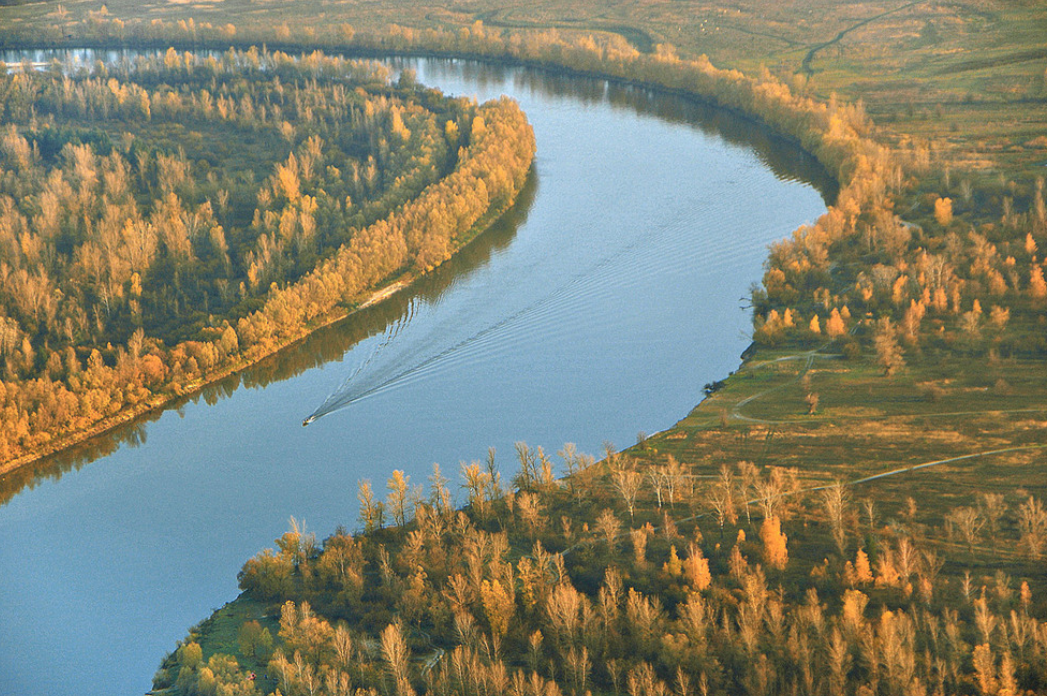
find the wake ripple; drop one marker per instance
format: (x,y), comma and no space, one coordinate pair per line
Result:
(477,333)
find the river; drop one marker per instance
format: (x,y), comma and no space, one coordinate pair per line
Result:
(597,308)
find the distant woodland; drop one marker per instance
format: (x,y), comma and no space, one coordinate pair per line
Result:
(163,221)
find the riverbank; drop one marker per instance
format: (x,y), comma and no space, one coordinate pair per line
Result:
(158,402)
(389,287)
(919,407)
(46,412)
(823,415)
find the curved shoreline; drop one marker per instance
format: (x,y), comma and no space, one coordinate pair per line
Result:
(383,291)
(127,415)
(630,76)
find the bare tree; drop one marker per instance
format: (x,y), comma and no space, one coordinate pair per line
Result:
(674,477)
(608,526)
(396,655)
(1032,523)
(628,482)
(657,476)
(722,504)
(968,523)
(747,477)
(835,500)
(993,506)
(869,505)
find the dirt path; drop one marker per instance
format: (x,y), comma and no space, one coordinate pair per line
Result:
(736,412)
(937,462)
(805,64)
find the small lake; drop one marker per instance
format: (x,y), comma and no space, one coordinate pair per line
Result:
(597,308)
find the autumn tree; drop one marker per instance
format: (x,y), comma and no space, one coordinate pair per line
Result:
(888,352)
(627,482)
(834,499)
(775,552)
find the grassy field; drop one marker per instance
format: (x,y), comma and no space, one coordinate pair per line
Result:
(953,412)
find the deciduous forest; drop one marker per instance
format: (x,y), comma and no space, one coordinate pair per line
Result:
(642,575)
(152,238)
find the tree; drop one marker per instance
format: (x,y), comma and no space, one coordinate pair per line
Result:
(968,522)
(608,526)
(943,211)
(888,352)
(775,552)
(1032,525)
(658,478)
(834,498)
(674,477)
(396,655)
(499,603)
(628,482)
(397,499)
(1037,285)
(993,506)
(696,569)
(476,483)
(835,326)
(370,509)
(267,574)
(862,570)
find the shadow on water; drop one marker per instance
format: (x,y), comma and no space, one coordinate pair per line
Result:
(784,158)
(325,345)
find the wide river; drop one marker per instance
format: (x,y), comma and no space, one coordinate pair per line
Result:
(596,309)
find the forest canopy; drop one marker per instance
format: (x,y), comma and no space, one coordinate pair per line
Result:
(169,217)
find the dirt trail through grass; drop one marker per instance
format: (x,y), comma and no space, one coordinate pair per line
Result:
(640,39)
(736,412)
(805,65)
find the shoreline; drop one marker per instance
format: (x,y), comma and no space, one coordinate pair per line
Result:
(752,113)
(129,414)
(386,289)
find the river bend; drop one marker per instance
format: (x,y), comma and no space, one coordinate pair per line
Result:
(597,308)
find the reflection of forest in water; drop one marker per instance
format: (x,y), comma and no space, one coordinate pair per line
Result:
(785,159)
(782,156)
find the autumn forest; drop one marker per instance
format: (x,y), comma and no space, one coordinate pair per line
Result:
(151,239)
(858,509)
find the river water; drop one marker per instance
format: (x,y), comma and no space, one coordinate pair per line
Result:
(597,308)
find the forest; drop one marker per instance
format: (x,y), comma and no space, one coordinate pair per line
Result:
(164,220)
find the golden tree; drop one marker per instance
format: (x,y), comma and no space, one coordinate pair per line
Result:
(775,552)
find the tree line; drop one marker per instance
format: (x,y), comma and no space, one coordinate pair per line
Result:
(165,219)
(798,298)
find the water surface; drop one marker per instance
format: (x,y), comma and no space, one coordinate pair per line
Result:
(596,309)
